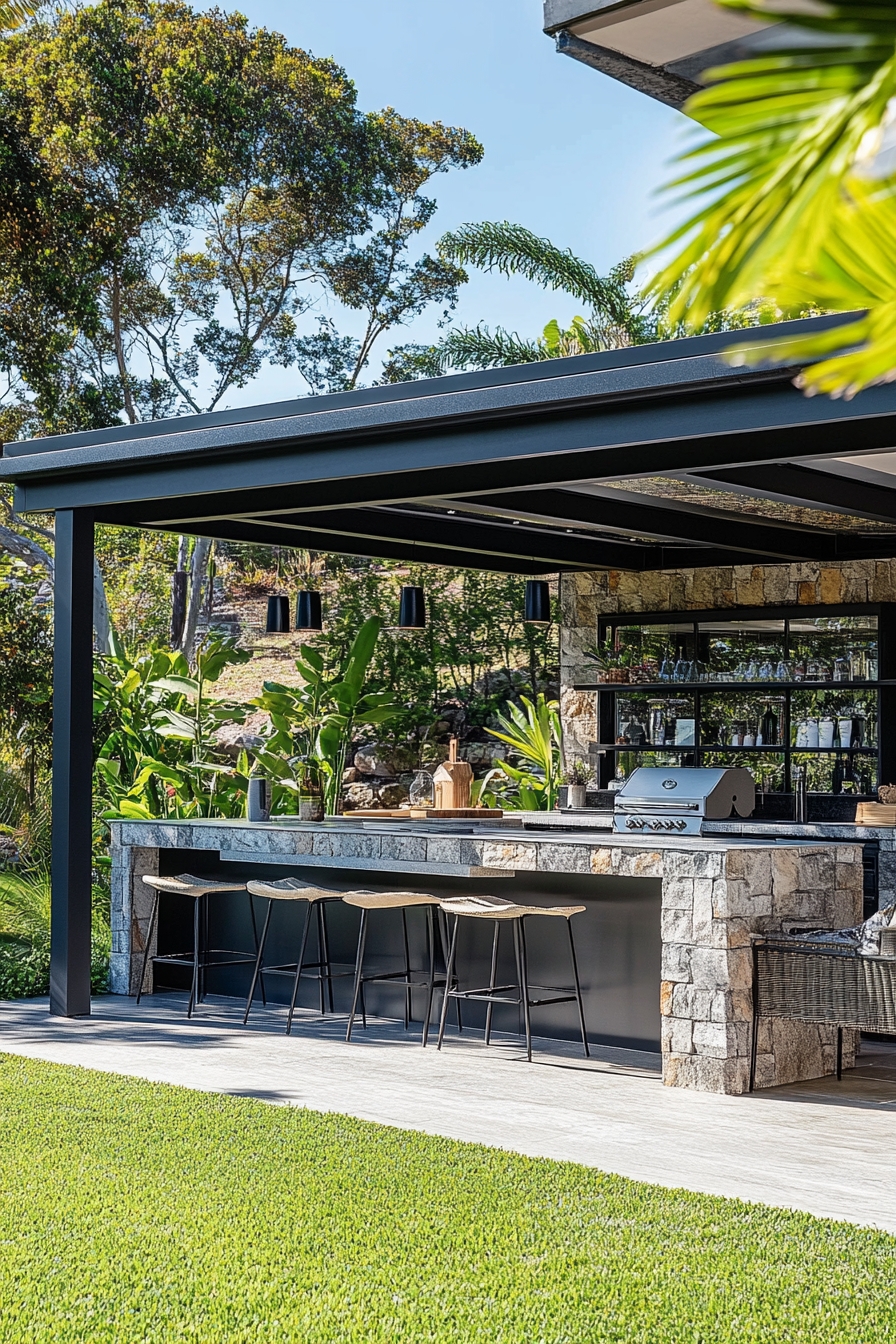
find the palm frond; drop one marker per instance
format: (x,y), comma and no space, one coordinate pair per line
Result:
(512,250)
(13,13)
(480,348)
(778,184)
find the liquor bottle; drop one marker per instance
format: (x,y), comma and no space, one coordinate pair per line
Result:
(768,728)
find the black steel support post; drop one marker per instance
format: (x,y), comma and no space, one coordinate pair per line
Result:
(72,764)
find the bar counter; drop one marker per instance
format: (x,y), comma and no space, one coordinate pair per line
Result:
(664,943)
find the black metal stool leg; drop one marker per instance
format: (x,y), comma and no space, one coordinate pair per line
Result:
(524,985)
(152,928)
(194,988)
(359,968)
(325,954)
(258,960)
(407,970)
(203,945)
(431,983)
(449,970)
(575,974)
(446,940)
(491,983)
(839,1053)
(321,1002)
(251,901)
(299,964)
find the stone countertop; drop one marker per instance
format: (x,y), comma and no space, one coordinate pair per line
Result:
(453,849)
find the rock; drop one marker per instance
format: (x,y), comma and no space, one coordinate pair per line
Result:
(371,761)
(351,775)
(391,795)
(359,796)
(237,737)
(483,753)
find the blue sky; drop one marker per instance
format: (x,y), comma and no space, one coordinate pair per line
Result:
(568,152)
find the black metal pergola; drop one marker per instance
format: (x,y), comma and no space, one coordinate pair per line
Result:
(656,457)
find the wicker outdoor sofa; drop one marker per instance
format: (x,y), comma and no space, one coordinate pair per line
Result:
(842,979)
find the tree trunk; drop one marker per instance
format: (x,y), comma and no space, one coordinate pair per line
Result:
(179,594)
(102,623)
(194,600)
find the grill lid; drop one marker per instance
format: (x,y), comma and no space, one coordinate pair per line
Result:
(688,790)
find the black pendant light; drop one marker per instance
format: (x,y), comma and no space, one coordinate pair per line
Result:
(278,616)
(309,615)
(412,611)
(538,602)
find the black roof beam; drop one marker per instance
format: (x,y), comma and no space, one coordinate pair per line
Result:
(697,430)
(496,550)
(543,549)
(660,518)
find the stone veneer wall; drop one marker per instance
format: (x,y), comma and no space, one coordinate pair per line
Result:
(715,893)
(712,902)
(584,597)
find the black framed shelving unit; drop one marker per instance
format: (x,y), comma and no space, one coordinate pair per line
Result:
(770,688)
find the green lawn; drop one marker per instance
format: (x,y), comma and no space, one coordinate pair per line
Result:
(132,1212)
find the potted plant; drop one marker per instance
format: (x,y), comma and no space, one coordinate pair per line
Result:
(311,789)
(577,778)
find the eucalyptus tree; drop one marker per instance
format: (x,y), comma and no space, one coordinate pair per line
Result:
(191,188)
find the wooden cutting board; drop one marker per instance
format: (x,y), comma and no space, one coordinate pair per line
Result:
(876,814)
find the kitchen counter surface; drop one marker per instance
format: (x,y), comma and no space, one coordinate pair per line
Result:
(710,894)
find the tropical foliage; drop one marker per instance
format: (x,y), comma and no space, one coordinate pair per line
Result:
(617,315)
(535,738)
(313,725)
(794,188)
(160,756)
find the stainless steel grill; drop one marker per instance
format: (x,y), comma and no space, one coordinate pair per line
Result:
(678,801)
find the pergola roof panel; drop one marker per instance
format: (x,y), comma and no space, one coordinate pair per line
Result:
(655,457)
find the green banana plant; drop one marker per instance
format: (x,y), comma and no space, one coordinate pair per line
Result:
(312,725)
(535,737)
(161,758)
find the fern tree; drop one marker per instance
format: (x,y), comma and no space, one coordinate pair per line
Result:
(795,188)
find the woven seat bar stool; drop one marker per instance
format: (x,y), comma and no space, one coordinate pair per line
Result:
(370,901)
(525,995)
(198,889)
(315,900)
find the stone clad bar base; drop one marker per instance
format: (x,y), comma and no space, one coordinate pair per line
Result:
(712,902)
(716,891)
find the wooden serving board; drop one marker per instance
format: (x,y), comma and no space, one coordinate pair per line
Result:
(453,813)
(426,813)
(876,814)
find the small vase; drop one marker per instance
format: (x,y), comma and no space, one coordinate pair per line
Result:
(575,795)
(258,799)
(311,809)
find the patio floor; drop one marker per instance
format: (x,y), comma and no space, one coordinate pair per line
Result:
(820,1146)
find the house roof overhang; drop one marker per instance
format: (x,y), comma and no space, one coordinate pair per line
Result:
(659,47)
(653,457)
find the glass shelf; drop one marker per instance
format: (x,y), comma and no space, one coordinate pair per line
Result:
(796,673)
(659,687)
(718,748)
